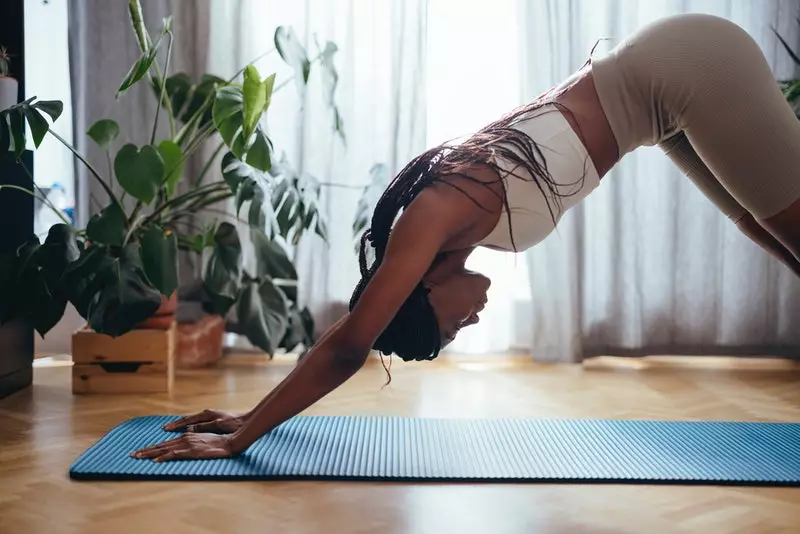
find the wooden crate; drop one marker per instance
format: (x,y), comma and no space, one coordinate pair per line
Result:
(141,361)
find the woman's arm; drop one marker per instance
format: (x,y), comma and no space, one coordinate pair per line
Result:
(420,233)
(413,245)
(320,341)
(328,365)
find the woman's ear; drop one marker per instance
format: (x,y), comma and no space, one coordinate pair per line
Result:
(459,257)
(428,283)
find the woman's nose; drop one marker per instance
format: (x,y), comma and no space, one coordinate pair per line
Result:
(487,282)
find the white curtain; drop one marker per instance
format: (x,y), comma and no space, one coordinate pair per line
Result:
(475,53)
(645,265)
(381,96)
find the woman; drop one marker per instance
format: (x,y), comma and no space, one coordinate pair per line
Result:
(695,85)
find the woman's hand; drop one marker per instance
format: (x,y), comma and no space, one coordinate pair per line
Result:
(188,447)
(214,421)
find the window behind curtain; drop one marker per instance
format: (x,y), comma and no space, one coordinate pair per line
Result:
(47,78)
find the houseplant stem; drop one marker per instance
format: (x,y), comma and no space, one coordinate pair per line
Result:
(89,167)
(161,96)
(208,164)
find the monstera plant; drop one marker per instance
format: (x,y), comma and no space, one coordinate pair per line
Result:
(790,87)
(118,269)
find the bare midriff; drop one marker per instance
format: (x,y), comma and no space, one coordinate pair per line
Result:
(587,118)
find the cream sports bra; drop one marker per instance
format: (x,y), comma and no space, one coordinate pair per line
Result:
(567,162)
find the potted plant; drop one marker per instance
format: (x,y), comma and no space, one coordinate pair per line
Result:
(122,268)
(9,87)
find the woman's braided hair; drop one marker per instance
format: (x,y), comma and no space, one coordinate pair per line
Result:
(413,333)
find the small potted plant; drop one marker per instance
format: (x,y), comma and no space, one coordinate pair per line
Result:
(9,87)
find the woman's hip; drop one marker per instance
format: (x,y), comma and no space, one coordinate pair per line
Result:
(661,77)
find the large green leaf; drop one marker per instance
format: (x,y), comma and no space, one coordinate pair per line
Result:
(107,226)
(188,98)
(202,97)
(273,262)
(259,153)
(13,122)
(178,89)
(227,102)
(103,132)
(260,214)
(37,123)
(139,69)
(124,298)
(249,184)
(139,172)
(31,278)
(295,200)
(60,248)
(54,108)
(294,54)
(285,201)
(26,296)
(160,259)
(236,117)
(330,80)
(16,119)
(271,258)
(82,280)
(202,240)
(295,333)
(246,193)
(42,304)
(300,330)
(308,325)
(230,127)
(173,164)
(254,99)
(111,291)
(263,312)
(223,269)
(228,247)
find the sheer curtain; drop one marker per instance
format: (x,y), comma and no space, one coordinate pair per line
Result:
(474,76)
(645,265)
(381,96)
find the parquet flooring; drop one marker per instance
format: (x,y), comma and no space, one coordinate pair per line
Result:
(43,429)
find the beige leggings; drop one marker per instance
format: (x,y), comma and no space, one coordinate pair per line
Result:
(681,152)
(700,87)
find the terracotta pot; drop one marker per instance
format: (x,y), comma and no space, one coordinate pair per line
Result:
(200,343)
(164,316)
(168,305)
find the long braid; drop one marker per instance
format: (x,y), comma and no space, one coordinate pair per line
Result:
(413,334)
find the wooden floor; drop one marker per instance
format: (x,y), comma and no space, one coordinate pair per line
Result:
(43,429)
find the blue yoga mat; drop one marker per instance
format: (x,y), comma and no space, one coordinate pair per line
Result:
(496,450)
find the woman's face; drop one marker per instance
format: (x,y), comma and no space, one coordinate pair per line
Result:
(457,295)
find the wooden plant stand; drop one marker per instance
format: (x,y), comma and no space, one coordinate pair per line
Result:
(141,361)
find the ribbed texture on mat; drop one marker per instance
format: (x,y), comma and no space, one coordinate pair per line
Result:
(523,450)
